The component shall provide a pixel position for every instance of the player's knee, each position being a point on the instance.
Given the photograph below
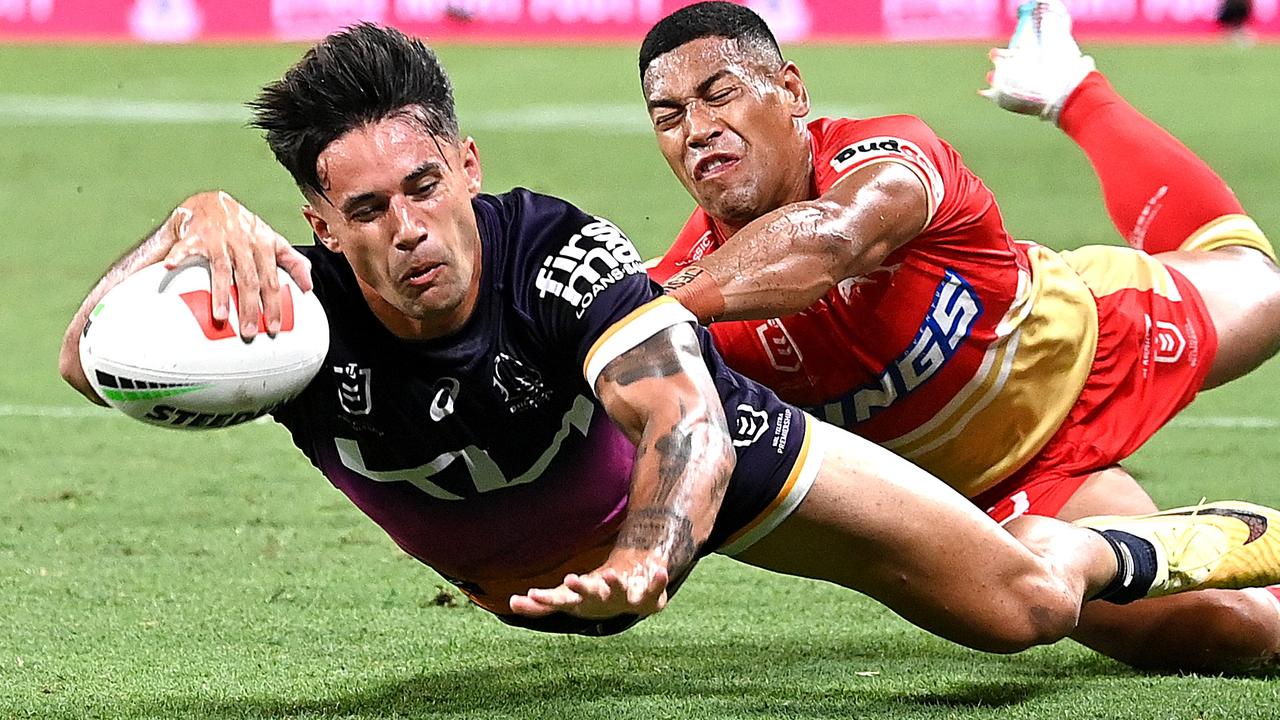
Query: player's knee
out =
(1035, 609)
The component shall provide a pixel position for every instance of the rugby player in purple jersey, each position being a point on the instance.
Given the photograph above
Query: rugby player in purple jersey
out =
(517, 405)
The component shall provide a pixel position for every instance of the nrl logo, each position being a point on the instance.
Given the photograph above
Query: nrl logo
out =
(751, 424)
(354, 392)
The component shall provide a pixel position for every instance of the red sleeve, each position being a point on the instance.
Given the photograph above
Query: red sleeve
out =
(694, 241)
(844, 146)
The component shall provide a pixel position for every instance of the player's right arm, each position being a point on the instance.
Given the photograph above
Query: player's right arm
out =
(785, 260)
(661, 395)
(882, 183)
(239, 247)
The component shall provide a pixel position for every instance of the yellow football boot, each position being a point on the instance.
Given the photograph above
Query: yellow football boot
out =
(1227, 544)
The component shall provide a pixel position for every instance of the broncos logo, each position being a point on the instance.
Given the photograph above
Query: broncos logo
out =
(521, 386)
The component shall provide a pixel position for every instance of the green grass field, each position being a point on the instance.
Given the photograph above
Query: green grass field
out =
(155, 574)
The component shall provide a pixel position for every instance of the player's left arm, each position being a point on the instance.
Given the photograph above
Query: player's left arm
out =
(661, 394)
(785, 260)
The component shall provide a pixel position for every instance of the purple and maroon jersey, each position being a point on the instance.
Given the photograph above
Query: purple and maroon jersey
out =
(486, 454)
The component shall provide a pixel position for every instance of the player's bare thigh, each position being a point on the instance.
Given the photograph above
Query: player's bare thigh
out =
(1241, 289)
(1112, 491)
(875, 523)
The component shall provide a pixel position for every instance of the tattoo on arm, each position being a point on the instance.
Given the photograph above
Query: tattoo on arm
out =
(657, 357)
(684, 456)
(675, 449)
(661, 529)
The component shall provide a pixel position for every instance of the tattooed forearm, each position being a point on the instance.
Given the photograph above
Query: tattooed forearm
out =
(663, 530)
(684, 453)
(688, 466)
(675, 449)
(657, 357)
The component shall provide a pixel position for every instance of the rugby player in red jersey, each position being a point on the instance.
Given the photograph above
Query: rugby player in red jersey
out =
(859, 269)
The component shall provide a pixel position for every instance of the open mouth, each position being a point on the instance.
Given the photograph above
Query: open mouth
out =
(713, 165)
(421, 275)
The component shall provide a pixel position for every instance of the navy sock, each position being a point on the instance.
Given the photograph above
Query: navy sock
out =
(1135, 568)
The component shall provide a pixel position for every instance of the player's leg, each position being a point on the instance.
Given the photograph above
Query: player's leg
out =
(1241, 292)
(1206, 630)
(877, 524)
(1160, 195)
(1165, 200)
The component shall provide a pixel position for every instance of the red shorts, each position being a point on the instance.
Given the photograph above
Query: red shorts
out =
(1156, 344)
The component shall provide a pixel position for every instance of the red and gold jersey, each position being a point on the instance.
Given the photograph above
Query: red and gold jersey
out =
(963, 351)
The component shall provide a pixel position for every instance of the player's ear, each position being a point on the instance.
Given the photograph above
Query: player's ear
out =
(471, 165)
(797, 95)
(321, 228)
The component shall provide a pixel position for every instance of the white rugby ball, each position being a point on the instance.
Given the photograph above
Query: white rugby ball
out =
(152, 350)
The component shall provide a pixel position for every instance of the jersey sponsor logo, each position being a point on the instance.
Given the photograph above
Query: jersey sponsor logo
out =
(520, 385)
(948, 322)
(778, 345)
(862, 152)
(355, 391)
(699, 249)
(1011, 508)
(853, 286)
(443, 400)
(596, 257)
(485, 474)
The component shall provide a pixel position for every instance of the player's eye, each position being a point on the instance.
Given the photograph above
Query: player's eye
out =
(667, 120)
(425, 190)
(722, 96)
(366, 214)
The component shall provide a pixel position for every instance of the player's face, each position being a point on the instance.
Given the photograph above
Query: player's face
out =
(730, 127)
(398, 206)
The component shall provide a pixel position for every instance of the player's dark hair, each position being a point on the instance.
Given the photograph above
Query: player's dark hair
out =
(361, 75)
(709, 19)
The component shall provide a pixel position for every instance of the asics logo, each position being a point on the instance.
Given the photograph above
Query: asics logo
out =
(1256, 523)
(442, 404)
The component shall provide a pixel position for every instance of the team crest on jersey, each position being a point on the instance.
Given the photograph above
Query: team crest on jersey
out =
(354, 392)
(520, 385)
(596, 257)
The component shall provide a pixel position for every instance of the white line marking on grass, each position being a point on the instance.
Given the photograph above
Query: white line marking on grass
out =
(58, 411)
(1226, 422)
(72, 110)
(60, 110)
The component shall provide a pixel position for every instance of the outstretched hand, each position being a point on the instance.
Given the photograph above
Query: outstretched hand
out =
(638, 588)
(242, 249)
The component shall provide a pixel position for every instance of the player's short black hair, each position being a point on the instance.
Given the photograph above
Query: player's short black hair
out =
(709, 19)
(360, 75)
